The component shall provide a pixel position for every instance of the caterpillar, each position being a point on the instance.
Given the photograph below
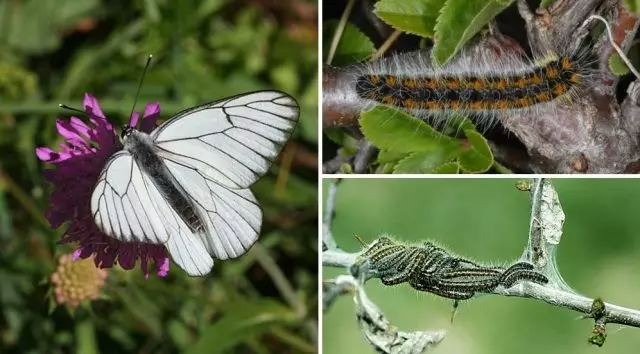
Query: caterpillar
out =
(428, 267)
(480, 82)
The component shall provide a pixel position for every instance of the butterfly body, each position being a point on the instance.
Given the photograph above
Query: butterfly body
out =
(186, 184)
(140, 146)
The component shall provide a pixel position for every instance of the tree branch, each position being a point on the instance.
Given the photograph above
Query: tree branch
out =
(546, 222)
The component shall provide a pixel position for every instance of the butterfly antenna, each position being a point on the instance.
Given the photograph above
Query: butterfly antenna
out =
(64, 106)
(144, 72)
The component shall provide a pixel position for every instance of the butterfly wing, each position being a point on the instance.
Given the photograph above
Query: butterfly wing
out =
(127, 206)
(232, 141)
(231, 217)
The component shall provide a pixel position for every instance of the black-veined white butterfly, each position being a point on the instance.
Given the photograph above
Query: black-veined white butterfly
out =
(186, 185)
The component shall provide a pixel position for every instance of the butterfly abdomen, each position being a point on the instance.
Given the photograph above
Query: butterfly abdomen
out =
(140, 146)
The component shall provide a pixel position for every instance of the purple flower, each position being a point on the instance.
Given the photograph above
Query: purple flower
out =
(78, 164)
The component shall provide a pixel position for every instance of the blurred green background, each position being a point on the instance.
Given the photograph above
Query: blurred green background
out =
(52, 52)
(487, 220)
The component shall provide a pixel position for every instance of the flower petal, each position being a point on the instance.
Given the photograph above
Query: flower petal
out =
(92, 106)
(150, 117)
(47, 155)
(133, 122)
(81, 127)
(79, 161)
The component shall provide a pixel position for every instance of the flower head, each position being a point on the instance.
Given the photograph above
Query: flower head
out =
(77, 281)
(79, 162)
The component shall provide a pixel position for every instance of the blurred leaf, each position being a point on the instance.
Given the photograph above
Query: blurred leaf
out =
(26, 144)
(394, 130)
(179, 333)
(308, 124)
(152, 11)
(241, 322)
(35, 26)
(477, 158)
(6, 227)
(142, 309)
(209, 7)
(123, 337)
(354, 46)
(16, 82)
(86, 61)
(459, 21)
(410, 16)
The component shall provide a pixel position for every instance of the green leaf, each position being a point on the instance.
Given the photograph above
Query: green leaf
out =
(617, 66)
(391, 129)
(457, 124)
(411, 16)
(354, 46)
(336, 135)
(242, 321)
(477, 156)
(632, 5)
(448, 168)
(386, 156)
(546, 3)
(459, 21)
(427, 161)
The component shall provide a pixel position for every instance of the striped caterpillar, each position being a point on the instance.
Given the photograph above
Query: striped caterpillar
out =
(430, 268)
(481, 83)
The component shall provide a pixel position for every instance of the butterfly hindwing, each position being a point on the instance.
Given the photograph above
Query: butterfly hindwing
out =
(127, 206)
(232, 217)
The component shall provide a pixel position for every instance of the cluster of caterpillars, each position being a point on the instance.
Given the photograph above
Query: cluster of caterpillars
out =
(427, 267)
(480, 92)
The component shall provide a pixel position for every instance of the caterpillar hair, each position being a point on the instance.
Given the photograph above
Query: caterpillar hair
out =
(490, 79)
(428, 267)
(480, 83)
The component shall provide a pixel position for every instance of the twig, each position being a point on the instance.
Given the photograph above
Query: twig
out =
(338, 35)
(328, 242)
(547, 218)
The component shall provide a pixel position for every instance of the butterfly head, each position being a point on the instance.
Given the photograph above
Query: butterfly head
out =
(126, 131)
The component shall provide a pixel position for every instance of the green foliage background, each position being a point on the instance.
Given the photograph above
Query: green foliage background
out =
(52, 52)
(488, 220)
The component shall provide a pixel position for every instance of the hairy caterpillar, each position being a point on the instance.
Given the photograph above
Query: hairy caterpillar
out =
(481, 82)
(428, 267)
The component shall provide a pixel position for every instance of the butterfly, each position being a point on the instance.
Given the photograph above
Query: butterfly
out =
(186, 184)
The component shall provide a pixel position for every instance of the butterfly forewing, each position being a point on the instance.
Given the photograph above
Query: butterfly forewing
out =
(233, 141)
(125, 202)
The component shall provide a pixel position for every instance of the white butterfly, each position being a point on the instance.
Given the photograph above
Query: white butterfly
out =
(186, 185)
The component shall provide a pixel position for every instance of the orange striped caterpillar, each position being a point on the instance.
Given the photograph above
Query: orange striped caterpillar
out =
(479, 83)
